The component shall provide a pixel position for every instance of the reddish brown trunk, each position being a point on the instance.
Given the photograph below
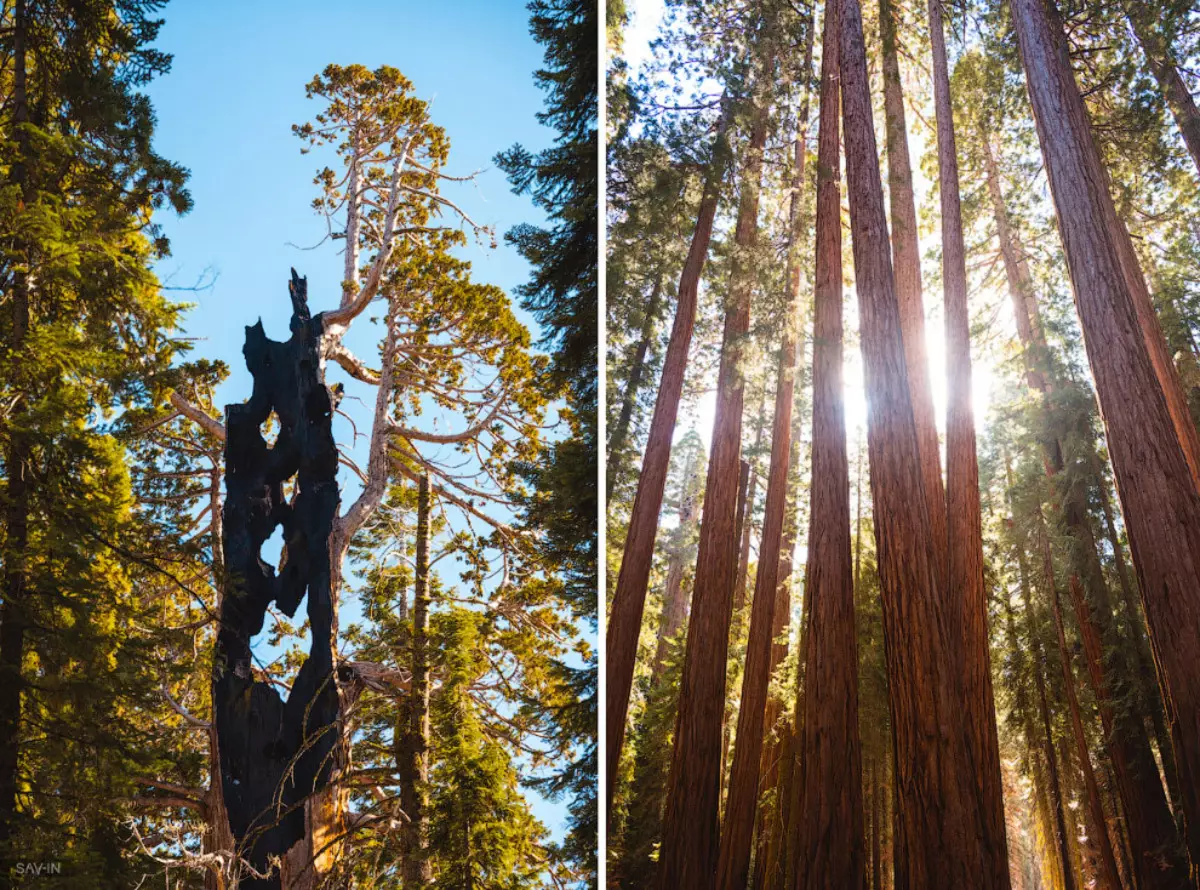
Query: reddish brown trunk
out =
(746, 483)
(964, 529)
(1108, 859)
(906, 263)
(1160, 59)
(941, 834)
(876, 826)
(629, 599)
(691, 832)
(832, 849)
(1152, 453)
(674, 610)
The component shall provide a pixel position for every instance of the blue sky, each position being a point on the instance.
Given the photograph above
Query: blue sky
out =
(225, 112)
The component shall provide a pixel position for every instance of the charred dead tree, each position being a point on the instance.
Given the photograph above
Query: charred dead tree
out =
(278, 756)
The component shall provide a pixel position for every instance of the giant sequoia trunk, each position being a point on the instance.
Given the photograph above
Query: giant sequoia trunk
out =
(629, 599)
(1151, 450)
(906, 270)
(279, 759)
(733, 865)
(941, 833)
(1160, 58)
(690, 827)
(413, 743)
(968, 596)
(832, 850)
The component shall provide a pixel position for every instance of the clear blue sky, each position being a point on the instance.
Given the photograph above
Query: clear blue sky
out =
(225, 112)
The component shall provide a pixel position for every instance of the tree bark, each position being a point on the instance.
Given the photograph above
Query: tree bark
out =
(964, 529)
(906, 263)
(413, 752)
(1154, 462)
(629, 599)
(832, 848)
(941, 836)
(674, 610)
(691, 832)
(619, 439)
(733, 864)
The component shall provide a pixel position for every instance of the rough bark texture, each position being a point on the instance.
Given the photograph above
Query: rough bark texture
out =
(414, 745)
(629, 599)
(941, 838)
(1155, 480)
(691, 832)
(964, 527)
(733, 865)
(832, 846)
(278, 757)
(906, 270)
(618, 441)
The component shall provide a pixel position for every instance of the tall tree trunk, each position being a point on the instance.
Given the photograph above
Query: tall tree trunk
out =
(1062, 836)
(733, 864)
(1108, 858)
(629, 599)
(18, 494)
(941, 834)
(691, 828)
(1081, 237)
(747, 497)
(414, 749)
(876, 826)
(906, 264)
(832, 847)
(674, 610)
(1160, 59)
(618, 440)
(964, 528)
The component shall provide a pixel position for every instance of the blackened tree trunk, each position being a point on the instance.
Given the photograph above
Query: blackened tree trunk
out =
(906, 269)
(414, 746)
(18, 489)
(964, 525)
(279, 759)
(1150, 449)
(619, 439)
(691, 831)
(941, 835)
(832, 847)
(629, 599)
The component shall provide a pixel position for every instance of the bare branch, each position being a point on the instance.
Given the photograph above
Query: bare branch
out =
(209, 424)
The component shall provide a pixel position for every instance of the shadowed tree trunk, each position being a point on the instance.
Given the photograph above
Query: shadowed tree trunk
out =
(629, 599)
(413, 752)
(620, 434)
(1152, 453)
(832, 849)
(279, 759)
(964, 522)
(747, 495)
(906, 268)
(1160, 59)
(674, 610)
(941, 835)
(691, 831)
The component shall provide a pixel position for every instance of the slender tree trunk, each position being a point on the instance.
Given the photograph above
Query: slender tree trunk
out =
(18, 493)
(691, 828)
(1161, 62)
(1108, 859)
(733, 865)
(832, 849)
(1062, 836)
(414, 750)
(964, 522)
(941, 833)
(674, 610)
(618, 441)
(629, 600)
(906, 263)
(1152, 441)
(747, 481)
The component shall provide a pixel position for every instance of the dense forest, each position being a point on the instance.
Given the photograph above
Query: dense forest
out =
(180, 705)
(903, 386)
